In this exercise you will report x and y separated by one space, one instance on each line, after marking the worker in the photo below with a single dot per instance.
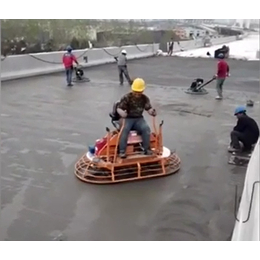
222 73
171 44
68 59
122 68
131 107
225 51
246 131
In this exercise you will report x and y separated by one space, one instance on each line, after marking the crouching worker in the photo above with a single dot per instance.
131 108
246 131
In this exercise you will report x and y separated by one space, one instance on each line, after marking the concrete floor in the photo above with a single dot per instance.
46 127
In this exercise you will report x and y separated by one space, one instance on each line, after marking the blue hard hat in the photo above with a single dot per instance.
221 56
240 109
69 48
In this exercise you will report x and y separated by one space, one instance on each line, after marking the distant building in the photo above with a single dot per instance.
243 23
181 33
200 31
194 32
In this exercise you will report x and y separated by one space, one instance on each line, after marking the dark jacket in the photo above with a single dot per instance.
248 127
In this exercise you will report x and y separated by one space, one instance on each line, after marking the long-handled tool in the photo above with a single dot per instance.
206 83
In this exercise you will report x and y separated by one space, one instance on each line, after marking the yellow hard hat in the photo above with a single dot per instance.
138 85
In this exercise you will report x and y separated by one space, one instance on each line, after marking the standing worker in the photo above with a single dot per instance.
122 67
222 73
68 59
171 44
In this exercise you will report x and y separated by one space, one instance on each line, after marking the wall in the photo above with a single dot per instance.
249 231
20 66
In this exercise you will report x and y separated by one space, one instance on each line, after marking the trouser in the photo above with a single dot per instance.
139 125
236 137
124 71
69 72
219 86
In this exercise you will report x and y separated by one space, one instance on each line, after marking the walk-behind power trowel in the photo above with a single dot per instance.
79 75
197 87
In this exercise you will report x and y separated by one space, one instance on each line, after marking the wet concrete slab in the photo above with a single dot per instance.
46 127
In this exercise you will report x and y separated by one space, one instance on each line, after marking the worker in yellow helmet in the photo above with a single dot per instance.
131 107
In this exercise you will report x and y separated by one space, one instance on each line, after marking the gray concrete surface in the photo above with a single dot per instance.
46 127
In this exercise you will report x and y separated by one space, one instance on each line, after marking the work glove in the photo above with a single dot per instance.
123 114
153 112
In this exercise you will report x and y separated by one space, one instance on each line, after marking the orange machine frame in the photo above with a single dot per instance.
110 168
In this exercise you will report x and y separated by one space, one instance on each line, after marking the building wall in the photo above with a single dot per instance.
195 31
181 33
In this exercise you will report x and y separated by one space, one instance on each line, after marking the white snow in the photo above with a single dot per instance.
161 53
245 49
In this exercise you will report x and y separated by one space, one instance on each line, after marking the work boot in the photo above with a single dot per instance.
233 149
148 152
122 155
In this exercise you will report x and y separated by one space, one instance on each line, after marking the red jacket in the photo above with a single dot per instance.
68 59
223 69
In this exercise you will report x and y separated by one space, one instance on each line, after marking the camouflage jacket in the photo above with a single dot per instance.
134 105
